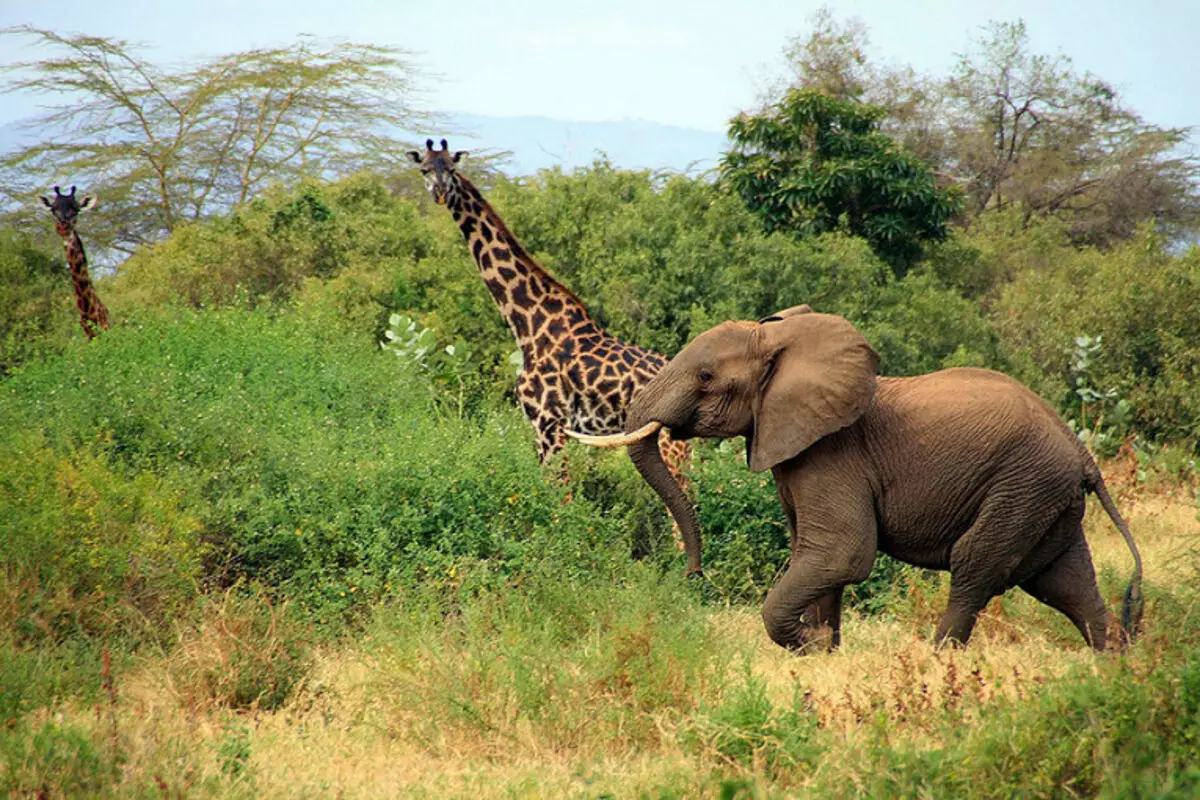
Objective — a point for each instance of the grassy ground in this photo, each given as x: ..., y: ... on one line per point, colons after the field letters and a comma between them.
x: 629, y: 690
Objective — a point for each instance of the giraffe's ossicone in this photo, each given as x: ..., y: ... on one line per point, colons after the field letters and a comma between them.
x: 575, y: 375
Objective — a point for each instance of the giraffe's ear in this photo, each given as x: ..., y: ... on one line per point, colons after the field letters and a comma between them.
x: 415, y: 156
x: 88, y: 202
x: 46, y: 202
x: 460, y: 155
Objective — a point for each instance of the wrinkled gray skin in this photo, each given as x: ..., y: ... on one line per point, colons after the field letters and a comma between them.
x: 963, y: 470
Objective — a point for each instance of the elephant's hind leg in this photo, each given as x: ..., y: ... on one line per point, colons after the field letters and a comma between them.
x: 1069, y: 585
x: 986, y: 560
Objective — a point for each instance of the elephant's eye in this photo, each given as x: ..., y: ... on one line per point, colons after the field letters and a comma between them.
x: 705, y: 375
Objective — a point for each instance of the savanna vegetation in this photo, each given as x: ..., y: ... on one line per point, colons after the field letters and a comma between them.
x: 282, y: 532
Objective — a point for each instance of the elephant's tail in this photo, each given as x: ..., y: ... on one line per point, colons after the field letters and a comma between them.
x: 1133, y: 604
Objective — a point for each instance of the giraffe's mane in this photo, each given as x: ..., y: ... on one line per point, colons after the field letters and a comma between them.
x: 519, y: 251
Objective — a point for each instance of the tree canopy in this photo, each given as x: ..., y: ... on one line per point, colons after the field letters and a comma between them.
x: 165, y: 145
x: 813, y: 162
x: 1016, y: 129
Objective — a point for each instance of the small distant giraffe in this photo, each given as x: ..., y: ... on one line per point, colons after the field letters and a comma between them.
x: 575, y: 375
x: 65, y: 208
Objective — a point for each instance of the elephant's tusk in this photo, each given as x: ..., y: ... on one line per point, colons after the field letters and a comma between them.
x: 617, y: 439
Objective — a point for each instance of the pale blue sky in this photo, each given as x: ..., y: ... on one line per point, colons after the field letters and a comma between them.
x: 691, y: 63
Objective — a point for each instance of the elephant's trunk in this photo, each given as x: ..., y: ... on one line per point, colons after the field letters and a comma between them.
x: 649, y: 462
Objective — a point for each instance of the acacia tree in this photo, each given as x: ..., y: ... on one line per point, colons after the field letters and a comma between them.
x: 161, y: 146
x: 833, y: 58
x: 1028, y: 131
x: 812, y: 162
x: 1016, y: 130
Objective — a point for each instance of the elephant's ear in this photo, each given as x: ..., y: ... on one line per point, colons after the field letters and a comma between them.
x: 820, y: 378
x: 779, y: 316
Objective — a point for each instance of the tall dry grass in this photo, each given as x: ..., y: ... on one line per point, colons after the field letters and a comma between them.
x: 619, y: 695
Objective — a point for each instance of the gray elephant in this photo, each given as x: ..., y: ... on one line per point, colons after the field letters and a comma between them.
x: 963, y: 470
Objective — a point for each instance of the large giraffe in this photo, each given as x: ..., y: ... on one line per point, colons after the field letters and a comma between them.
x: 575, y: 375
x: 65, y: 208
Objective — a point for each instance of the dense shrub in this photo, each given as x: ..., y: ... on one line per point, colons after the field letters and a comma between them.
x: 661, y: 259
x: 37, y: 309
x: 314, y: 465
x: 88, y: 549
x: 1142, y: 303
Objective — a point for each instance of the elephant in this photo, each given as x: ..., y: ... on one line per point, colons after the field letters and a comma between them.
x: 964, y: 470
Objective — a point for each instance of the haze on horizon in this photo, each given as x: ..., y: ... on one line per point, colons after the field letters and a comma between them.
x: 687, y: 64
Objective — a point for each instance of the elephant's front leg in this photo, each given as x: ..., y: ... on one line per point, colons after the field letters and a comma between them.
x: 805, y: 608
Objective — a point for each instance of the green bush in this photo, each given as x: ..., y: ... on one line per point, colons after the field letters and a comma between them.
x: 88, y: 549
x: 659, y: 260
x: 34, y: 675
x: 37, y: 308
x: 264, y: 251
x: 308, y: 464
x: 747, y: 729
x: 1141, y: 302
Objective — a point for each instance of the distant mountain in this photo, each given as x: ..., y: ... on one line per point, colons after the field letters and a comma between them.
x: 537, y: 142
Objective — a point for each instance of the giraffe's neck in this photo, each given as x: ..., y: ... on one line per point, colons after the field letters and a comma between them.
x: 529, y: 298
x: 91, y: 310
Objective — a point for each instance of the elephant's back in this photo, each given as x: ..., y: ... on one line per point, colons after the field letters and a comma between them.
x: 971, y: 397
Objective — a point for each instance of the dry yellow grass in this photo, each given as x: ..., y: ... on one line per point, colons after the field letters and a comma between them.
x: 349, y: 735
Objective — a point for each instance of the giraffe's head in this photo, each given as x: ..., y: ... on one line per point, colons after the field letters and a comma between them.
x: 66, y: 208
x: 438, y: 168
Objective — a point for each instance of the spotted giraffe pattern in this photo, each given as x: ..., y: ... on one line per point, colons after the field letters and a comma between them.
x: 575, y: 375
x: 93, y: 316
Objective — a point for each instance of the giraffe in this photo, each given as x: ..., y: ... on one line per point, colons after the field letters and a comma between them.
x: 65, y: 208
x: 575, y: 375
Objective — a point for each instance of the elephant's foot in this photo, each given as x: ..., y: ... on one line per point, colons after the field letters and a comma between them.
x: 806, y: 640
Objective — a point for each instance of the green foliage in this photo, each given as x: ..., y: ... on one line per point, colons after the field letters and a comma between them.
x: 233, y: 749
x: 33, y: 675
x: 269, y: 247
x: 813, y: 163
x: 37, y: 313
x: 89, y: 549
x: 453, y: 372
x: 747, y: 729
x: 1141, y: 303
x: 745, y: 535
x: 308, y: 464
x: 661, y: 260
